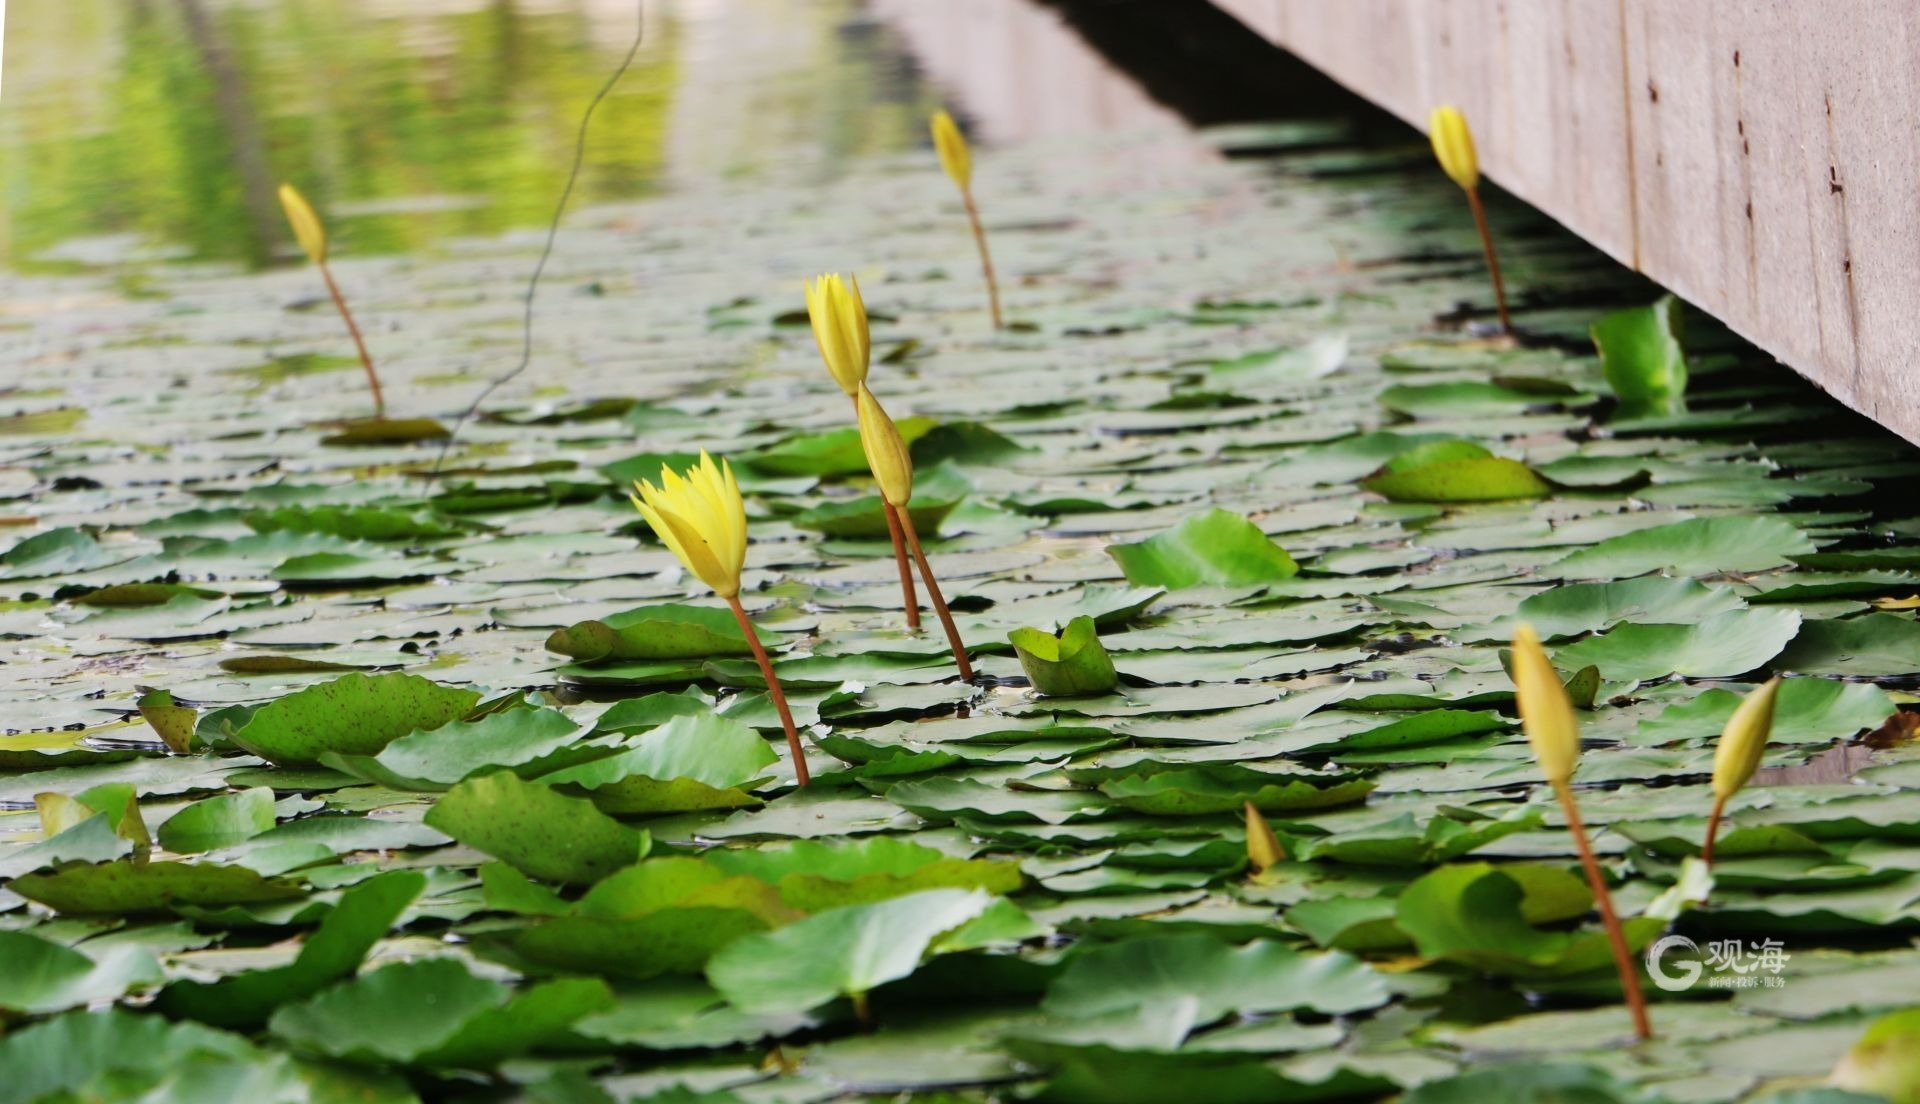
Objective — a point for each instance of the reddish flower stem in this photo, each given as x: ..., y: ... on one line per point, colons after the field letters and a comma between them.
x: 366, y: 360
x: 778, y: 695
x: 1713, y: 829
x: 1493, y: 260
x: 986, y: 259
x: 907, y: 595
x: 1622, y: 957
x: 933, y: 594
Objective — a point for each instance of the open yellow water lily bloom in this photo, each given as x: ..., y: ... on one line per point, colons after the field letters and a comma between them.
x: 887, y: 452
x: 700, y: 516
x: 951, y: 145
x: 1546, y: 713
x: 839, y: 318
x: 1453, y: 145
x: 1744, y: 740
x: 307, y: 227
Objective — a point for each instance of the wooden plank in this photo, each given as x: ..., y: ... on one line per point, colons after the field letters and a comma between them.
x: 1780, y: 193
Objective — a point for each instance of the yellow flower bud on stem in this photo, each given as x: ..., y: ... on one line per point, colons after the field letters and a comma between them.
x: 1553, y: 732
x: 892, y: 465
x: 957, y: 160
x: 1742, y: 743
x: 1453, y: 148
x: 312, y: 235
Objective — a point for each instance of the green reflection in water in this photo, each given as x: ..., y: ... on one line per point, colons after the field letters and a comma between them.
x: 468, y: 116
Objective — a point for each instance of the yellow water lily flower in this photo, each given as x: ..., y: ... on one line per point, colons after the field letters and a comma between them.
x: 955, y: 157
x: 700, y: 516
x: 1453, y: 145
x: 1744, y: 740
x: 839, y: 319
x: 1546, y: 713
x: 887, y: 453
x: 307, y: 227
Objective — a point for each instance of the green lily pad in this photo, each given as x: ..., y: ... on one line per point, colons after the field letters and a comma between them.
x: 1216, y: 548
x: 126, y: 887
x: 1260, y: 977
x: 1472, y: 914
x: 334, y: 950
x: 1876, y: 644
x: 815, y: 876
x: 1454, y: 471
x: 1806, y: 711
x: 388, y: 431
x: 1644, y: 363
x: 832, y: 454
x: 1225, y: 788
x: 435, y: 1013
x: 841, y: 952
x: 935, y: 495
x: 662, y: 632
x: 528, y: 741
x: 40, y: 976
x: 1720, y: 646
x: 536, y: 830
x: 1698, y: 546
x: 691, y: 762
x: 216, y: 822
x: 1071, y: 664
x: 353, y: 715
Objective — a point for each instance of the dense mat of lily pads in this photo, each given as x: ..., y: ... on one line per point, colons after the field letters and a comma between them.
x: 352, y: 783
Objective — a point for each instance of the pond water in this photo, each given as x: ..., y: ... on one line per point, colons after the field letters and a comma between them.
x: 141, y: 129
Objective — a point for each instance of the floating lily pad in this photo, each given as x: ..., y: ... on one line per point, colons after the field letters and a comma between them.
x: 661, y: 632
x: 535, y: 829
x: 352, y: 715
x: 1216, y: 548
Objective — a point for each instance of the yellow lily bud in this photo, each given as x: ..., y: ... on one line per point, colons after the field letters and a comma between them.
x: 1546, y: 713
x: 839, y: 319
x: 952, y: 147
x: 1263, y: 847
x: 1453, y: 145
x: 886, y: 451
x: 700, y: 516
x: 1744, y: 739
x: 306, y: 224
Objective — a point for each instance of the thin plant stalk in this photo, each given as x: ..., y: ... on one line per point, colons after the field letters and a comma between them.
x: 1713, y: 829
x: 1616, y: 936
x: 897, y: 531
x: 774, y: 691
x: 934, y: 595
x: 1493, y: 259
x: 366, y: 360
x: 862, y: 1011
x: 907, y: 596
x: 986, y: 258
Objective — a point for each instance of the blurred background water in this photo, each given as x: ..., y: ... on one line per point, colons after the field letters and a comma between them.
x: 136, y: 130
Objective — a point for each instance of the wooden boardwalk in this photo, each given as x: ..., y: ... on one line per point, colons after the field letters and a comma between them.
x: 1759, y: 157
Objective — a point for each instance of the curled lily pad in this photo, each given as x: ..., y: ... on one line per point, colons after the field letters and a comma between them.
x: 127, y: 887
x: 1072, y: 663
x: 1641, y: 353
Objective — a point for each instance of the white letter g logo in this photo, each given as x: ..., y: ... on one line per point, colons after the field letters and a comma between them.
x: 1689, y: 971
